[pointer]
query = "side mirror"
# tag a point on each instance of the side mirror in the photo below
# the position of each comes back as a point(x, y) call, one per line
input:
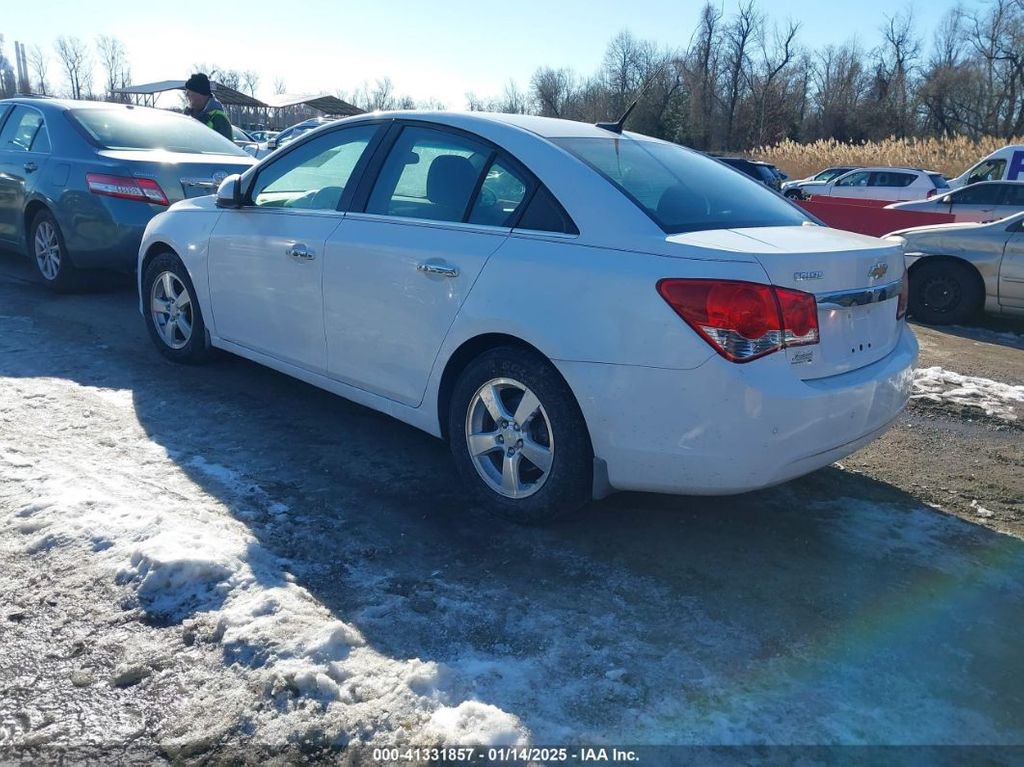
point(229, 193)
point(272, 144)
point(946, 200)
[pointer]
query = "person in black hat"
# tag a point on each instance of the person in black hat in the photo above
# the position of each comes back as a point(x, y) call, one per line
point(204, 107)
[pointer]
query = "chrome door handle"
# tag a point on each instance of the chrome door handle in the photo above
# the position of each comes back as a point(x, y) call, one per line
point(442, 270)
point(300, 251)
point(31, 167)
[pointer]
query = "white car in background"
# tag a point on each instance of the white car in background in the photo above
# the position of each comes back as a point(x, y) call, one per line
point(987, 201)
point(575, 310)
point(1005, 164)
point(794, 189)
point(893, 184)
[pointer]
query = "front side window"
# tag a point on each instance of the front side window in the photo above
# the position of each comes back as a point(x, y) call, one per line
point(21, 130)
point(1013, 194)
point(984, 194)
point(855, 179)
point(682, 190)
point(313, 176)
point(989, 170)
point(830, 173)
point(429, 174)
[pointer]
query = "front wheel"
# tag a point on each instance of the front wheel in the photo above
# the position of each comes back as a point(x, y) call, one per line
point(518, 437)
point(945, 292)
point(173, 316)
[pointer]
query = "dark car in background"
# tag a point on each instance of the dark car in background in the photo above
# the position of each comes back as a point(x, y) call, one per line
point(764, 172)
point(79, 180)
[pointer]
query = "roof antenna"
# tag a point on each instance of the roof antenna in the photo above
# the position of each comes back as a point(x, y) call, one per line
point(618, 125)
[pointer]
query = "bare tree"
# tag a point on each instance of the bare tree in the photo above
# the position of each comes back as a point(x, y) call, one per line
point(738, 37)
point(279, 86)
point(251, 81)
point(8, 86)
point(77, 66)
point(114, 61)
point(554, 91)
point(38, 65)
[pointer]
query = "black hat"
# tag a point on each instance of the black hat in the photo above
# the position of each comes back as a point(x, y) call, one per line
point(198, 83)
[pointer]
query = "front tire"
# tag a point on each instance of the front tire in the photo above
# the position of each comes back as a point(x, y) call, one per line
point(173, 316)
point(518, 437)
point(50, 254)
point(945, 292)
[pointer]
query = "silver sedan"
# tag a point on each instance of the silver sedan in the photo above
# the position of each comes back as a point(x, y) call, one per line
point(956, 270)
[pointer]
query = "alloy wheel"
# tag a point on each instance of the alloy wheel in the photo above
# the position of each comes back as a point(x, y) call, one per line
point(171, 309)
point(509, 438)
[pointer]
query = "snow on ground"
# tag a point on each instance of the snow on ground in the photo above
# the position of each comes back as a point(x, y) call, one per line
point(127, 507)
point(772, 618)
point(995, 399)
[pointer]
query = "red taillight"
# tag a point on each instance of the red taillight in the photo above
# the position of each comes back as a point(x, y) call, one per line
point(126, 188)
point(901, 305)
point(931, 193)
point(744, 320)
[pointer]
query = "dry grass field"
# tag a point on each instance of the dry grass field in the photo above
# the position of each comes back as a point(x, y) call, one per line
point(950, 156)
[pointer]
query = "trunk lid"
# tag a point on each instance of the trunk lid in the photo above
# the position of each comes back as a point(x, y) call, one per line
point(181, 175)
point(855, 280)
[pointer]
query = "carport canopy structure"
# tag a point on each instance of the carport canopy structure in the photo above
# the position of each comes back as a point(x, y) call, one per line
point(244, 110)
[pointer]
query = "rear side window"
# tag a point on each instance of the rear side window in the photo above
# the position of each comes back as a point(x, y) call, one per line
point(140, 129)
point(4, 109)
point(21, 130)
point(429, 174)
point(501, 195)
point(682, 190)
point(544, 214)
point(891, 179)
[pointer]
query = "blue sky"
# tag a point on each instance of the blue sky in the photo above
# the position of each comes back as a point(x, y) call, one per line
point(435, 50)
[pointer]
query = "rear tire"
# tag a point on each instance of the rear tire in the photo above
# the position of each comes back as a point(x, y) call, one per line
point(945, 292)
point(518, 437)
point(50, 255)
point(794, 194)
point(174, 318)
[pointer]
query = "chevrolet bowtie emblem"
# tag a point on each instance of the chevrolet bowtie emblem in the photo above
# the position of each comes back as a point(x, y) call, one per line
point(878, 271)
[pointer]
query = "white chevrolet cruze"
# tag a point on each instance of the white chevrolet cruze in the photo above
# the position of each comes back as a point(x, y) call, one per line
point(575, 310)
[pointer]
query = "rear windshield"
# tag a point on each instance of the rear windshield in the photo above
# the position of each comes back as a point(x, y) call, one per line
point(682, 190)
point(142, 129)
point(939, 180)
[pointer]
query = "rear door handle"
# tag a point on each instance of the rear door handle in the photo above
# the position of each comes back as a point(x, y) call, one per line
point(300, 251)
point(439, 268)
point(31, 167)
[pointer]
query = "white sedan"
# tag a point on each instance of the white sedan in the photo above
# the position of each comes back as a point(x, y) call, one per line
point(575, 310)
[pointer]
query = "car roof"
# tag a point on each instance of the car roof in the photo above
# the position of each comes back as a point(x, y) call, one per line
point(546, 127)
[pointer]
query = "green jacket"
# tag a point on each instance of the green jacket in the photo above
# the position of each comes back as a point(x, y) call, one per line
point(213, 116)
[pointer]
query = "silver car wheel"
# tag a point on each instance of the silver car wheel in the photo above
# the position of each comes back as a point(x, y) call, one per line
point(47, 250)
point(171, 309)
point(509, 438)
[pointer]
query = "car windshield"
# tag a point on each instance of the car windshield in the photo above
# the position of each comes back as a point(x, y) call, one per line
point(682, 190)
point(145, 129)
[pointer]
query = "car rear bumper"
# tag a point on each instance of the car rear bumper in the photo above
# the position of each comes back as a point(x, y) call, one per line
point(724, 428)
point(105, 232)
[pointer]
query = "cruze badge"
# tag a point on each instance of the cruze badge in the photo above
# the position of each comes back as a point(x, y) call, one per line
point(878, 271)
point(802, 276)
